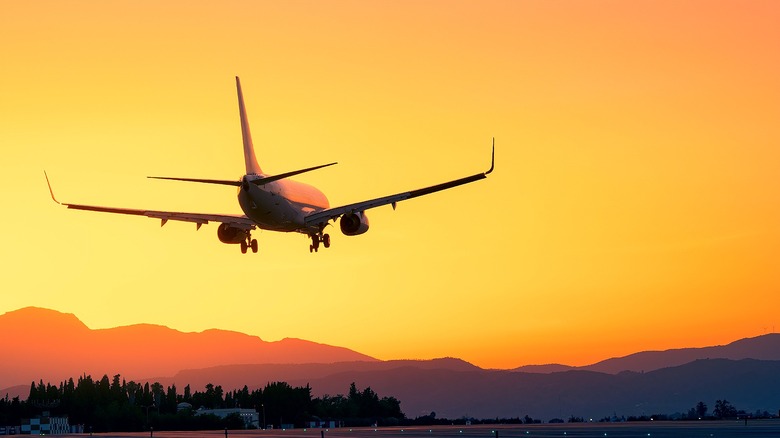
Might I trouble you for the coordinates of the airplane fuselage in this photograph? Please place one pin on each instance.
(280, 205)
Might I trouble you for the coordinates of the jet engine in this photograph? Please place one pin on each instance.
(353, 224)
(228, 234)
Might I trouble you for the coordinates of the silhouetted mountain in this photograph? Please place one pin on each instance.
(256, 376)
(52, 346)
(454, 389)
(49, 345)
(545, 369)
(766, 347)
(747, 384)
(21, 391)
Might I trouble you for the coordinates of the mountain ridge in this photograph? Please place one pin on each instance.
(749, 384)
(763, 347)
(34, 336)
(640, 383)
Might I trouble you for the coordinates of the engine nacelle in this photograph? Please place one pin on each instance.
(354, 223)
(228, 234)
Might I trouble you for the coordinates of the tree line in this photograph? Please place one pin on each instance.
(117, 405)
(108, 405)
(722, 410)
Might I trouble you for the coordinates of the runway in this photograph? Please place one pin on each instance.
(697, 429)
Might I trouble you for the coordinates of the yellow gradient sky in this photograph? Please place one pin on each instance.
(635, 205)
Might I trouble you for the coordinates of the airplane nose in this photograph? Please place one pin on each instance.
(244, 184)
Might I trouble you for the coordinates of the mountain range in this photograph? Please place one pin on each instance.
(53, 346)
(765, 347)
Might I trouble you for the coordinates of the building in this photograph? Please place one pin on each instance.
(250, 416)
(323, 424)
(45, 426)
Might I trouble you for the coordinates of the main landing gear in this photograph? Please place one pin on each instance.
(316, 239)
(248, 243)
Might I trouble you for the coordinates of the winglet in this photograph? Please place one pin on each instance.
(51, 192)
(250, 159)
(492, 158)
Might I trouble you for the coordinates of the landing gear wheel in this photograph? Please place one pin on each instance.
(326, 240)
(311, 248)
(253, 245)
(243, 247)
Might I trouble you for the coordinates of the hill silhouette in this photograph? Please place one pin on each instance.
(454, 389)
(748, 384)
(765, 347)
(256, 376)
(50, 345)
(53, 346)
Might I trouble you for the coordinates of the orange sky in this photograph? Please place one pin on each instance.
(635, 204)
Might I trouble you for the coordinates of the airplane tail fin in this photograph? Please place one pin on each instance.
(252, 167)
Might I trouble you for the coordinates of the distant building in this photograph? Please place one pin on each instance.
(324, 424)
(45, 426)
(250, 416)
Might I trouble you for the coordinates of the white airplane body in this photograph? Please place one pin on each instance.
(276, 203)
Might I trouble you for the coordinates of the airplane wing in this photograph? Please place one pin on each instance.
(235, 221)
(323, 216)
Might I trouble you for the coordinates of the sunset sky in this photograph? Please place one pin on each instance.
(635, 203)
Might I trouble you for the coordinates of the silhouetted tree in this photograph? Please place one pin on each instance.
(187, 397)
(701, 409)
(361, 408)
(33, 392)
(133, 392)
(286, 404)
(242, 398)
(390, 407)
(171, 400)
(724, 409)
(146, 395)
(104, 390)
(158, 395)
(118, 393)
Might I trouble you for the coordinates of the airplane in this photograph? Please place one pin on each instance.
(276, 203)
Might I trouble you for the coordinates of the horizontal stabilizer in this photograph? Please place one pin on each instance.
(205, 181)
(268, 179)
(259, 181)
